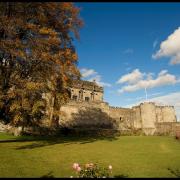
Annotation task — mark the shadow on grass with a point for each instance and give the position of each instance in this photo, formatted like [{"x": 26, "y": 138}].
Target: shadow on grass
[
  {"x": 41, "y": 141},
  {"x": 48, "y": 175},
  {"x": 66, "y": 140},
  {"x": 98, "y": 126},
  {"x": 120, "y": 176},
  {"x": 176, "y": 172}
]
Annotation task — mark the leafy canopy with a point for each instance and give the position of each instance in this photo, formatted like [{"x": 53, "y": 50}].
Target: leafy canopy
[{"x": 36, "y": 56}]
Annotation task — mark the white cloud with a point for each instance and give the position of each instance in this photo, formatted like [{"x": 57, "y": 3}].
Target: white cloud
[
  {"x": 87, "y": 72},
  {"x": 172, "y": 99},
  {"x": 170, "y": 48},
  {"x": 128, "y": 51},
  {"x": 91, "y": 75},
  {"x": 162, "y": 72},
  {"x": 175, "y": 59},
  {"x": 131, "y": 78},
  {"x": 138, "y": 80},
  {"x": 144, "y": 97},
  {"x": 97, "y": 78},
  {"x": 155, "y": 94}
]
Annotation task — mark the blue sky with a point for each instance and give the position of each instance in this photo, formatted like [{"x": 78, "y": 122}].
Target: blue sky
[{"x": 128, "y": 47}]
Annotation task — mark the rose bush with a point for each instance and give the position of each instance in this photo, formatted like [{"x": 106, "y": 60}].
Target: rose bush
[{"x": 91, "y": 170}]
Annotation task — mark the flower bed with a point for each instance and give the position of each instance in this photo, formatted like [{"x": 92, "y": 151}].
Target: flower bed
[{"x": 91, "y": 170}]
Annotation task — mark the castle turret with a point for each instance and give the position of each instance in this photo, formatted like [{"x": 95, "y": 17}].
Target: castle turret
[{"x": 148, "y": 116}]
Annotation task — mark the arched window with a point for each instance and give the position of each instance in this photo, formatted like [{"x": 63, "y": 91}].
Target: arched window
[
  {"x": 71, "y": 93},
  {"x": 92, "y": 96},
  {"x": 87, "y": 99},
  {"x": 74, "y": 97},
  {"x": 81, "y": 95}
]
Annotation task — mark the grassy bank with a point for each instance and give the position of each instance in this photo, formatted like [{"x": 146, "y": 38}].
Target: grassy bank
[{"x": 130, "y": 156}]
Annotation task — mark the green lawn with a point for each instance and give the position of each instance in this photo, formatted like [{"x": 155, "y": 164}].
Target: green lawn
[{"x": 130, "y": 156}]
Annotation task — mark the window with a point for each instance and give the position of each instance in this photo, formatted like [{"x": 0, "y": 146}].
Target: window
[
  {"x": 80, "y": 94},
  {"x": 92, "y": 96},
  {"x": 86, "y": 98},
  {"x": 74, "y": 97}
]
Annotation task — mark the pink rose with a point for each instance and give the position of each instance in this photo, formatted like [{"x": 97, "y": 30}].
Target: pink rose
[
  {"x": 78, "y": 169},
  {"x": 110, "y": 167},
  {"x": 75, "y": 166}
]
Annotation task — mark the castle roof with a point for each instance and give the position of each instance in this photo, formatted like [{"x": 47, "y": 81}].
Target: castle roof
[{"x": 87, "y": 85}]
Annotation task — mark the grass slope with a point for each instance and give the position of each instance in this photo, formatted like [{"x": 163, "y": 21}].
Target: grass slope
[{"x": 130, "y": 156}]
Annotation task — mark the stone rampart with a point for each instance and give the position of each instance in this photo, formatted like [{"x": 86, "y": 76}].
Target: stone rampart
[
  {"x": 146, "y": 117},
  {"x": 86, "y": 108},
  {"x": 167, "y": 128},
  {"x": 137, "y": 120},
  {"x": 168, "y": 114},
  {"x": 123, "y": 117},
  {"x": 86, "y": 114}
]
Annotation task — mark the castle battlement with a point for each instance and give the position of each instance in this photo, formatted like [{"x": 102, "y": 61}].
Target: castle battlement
[
  {"x": 118, "y": 108},
  {"x": 87, "y": 85},
  {"x": 147, "y": 102}
]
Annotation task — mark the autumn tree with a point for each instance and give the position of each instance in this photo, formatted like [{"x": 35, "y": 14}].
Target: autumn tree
[{"x": 36, "y": 56}]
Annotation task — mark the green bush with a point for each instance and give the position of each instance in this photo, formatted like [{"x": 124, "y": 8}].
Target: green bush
[{"x": 91, "y": 170}]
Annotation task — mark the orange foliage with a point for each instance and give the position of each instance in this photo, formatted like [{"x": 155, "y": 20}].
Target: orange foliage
[
  {"x": 74, "y": 57},
  {"x": 44, "y": 28}
]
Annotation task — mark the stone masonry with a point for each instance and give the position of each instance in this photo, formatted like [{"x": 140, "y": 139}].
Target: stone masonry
[{"x": 87, "y": 109}]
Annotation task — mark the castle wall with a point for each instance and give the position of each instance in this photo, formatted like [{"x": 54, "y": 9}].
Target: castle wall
[
  {"x": 66, "y": 114},
  {"x": 85, "y": 114},
  {"x": 123, "y": 116},
  {"x": 98, "y": 96},
  {"x": 148, "y": 115},
  {"x": 168, "y": 114},
  {"x": 95, "y": 113},
  {"x": 168, "y": 128},
  {"x": 159, "y": 115},
  {"x": 137, "y": 117}
]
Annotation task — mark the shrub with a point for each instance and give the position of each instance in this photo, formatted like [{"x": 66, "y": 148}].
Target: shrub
[{"x": 91, "y": 170}]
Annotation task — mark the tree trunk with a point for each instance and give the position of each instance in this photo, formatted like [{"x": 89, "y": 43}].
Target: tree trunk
[{"x": 51, "y": 111}]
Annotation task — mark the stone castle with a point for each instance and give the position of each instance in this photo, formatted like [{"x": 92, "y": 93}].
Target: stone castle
[{"x": 86, "y": 109}]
